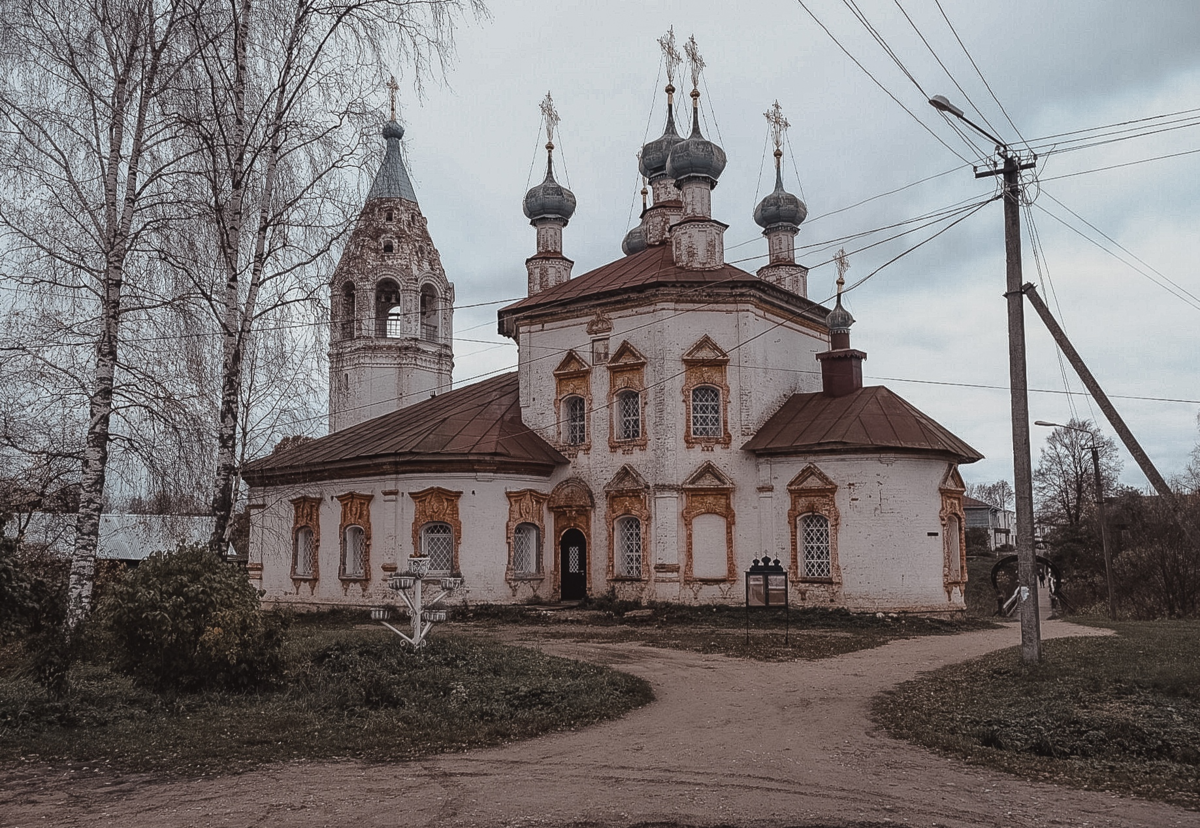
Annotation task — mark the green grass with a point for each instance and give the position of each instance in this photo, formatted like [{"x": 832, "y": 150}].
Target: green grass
[
  {"x": 348, "y": 694},
  {"x": 1118, "y": 713}
]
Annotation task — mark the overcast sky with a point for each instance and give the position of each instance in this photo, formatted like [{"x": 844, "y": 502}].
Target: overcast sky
[{"x": 933, "y": 323}]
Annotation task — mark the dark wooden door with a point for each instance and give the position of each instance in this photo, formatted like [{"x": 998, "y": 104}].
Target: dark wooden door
[{"x": 572, "y": 565}]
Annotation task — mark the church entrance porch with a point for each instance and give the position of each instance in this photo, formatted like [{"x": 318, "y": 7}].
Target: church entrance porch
[{"x": 572, "y": 566}]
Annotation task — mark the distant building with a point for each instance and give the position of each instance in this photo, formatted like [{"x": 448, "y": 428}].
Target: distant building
[
  {"x": 128, "y": 538},
  {"x": 672, "y": 417},
  {"x": 998, "y": 522}
]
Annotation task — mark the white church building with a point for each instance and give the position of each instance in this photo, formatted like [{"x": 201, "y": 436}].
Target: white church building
[{"x": 672, "y": 418}]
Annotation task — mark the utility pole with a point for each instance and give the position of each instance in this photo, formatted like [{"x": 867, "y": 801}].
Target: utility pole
[{"x": 1031, "y": 637}]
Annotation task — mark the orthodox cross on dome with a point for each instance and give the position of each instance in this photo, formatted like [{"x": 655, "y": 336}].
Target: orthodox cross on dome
[
  {"x": 671, "y": 56},
  {"x": 779, "y": 126},
  {"x": 695, "y": 62},
  {"x": 843, "y": 264},
  {"x": 392, "y": 88},
  {"x": 551, "y": 119}
]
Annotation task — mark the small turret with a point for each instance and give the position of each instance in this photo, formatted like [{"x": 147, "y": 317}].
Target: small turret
[
  {"x": 549, "y": 207},
  {"x": 841, "y": 365},
  {"x": 780, "y": 215}
]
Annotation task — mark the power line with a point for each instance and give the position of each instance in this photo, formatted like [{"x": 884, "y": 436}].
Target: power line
[{"x": 1119, "y": 166}]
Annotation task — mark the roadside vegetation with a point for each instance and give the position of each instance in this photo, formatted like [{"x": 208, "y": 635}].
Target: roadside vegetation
[
  {"x": 1119, "y": 713},
  {"x": 180, "y": 673}
]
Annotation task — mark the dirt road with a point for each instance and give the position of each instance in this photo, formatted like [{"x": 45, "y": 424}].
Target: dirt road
[{"x": 727, "y": 742}]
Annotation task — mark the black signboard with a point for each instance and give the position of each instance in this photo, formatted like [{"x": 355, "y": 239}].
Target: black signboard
[{"x": 767, "y": 586}]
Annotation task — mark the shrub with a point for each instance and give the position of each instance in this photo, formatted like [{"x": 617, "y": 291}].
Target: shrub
[{"x": 187, "y": 620}]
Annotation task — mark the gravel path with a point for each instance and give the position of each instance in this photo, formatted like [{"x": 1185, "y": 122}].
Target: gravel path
[{"x": 727, "y": 743}]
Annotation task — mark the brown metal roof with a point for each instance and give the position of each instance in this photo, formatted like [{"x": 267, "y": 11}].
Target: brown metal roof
[
  {"x": 653, "y": 267},
  {"x": 869, "y": 419},
  {"x": 475, "y": 427}
]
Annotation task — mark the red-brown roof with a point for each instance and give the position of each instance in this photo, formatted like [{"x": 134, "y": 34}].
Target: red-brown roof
[
  {"x": 476, "y": 427},
  {"x": 653, "y": 267},
  {"x": 869, "y": 419}
]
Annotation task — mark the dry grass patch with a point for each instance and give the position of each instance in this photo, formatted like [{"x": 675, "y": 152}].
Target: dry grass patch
[{"x": 1117, "y": 713}]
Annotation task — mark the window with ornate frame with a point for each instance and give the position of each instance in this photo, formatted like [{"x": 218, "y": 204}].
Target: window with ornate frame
[
  {"x": 575, "y": 421},
  {"x": 354, "y": 553},
  {"x": 627, "y": 547},
  {"x": 303, "y": 553},
  {"x": 706, "y": 412},
  {"x": 437, "y": 544},
  {"x": 527, "y": 550},
  {"x": 813, "y": 533},
  {"x": 629, "y": 415}
]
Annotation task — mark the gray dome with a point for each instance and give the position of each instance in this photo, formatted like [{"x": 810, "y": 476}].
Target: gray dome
[
  {"x": 839, "y": 319},
  {"x": 780, "y": 207},
  {"x": 549, "y": 199},
  {"x": 696, "y": 156},
  {"x": 635, "y": 241},
  {"x": 653, "y": 161},
  {"x": 393, "y": 130}
]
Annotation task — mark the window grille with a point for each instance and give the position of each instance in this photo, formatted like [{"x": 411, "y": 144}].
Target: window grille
[
  {"x": 629, "y": 416},
  {"x": 629, "y": 547},
  {"x": 576, "y": 421},
  {"x": 437, "y": 544},
  {"x": 429, "y": 331},
  {"x": 706, "y": 412},
  {"x": 525, "y": 549},
  {"x": 354, "y": 552},
  {"x": 302, "y": 561},
  {"x": 814, "y": 539},
  {"x": 574, "y": 560},
  {"x": 395, "y": 322}
]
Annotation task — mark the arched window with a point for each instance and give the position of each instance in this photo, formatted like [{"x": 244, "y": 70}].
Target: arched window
[
  {"x": 354, "y": 548},
  {"x": 629, "y": 415},
  {"x": 814, "y": 546},
  {"x": 628, "y": 547},
  {"x": 953, "y": 549},
  {"x": 437, "y": 544},
  {"x": 706, "y": 412},
  {"x": 389, "y": 246},
  {"x": 348, "y": 326},
  {"x": 390, "y": 215},
  {"x": 526, "y": 550},
  {"x": 303, "y": 563},
  {"x": 395, "y": 322},
  {"x": 429, "y": 314},
  {"x": 574, "y": 421},
  {"x": 387, "y": 306}
]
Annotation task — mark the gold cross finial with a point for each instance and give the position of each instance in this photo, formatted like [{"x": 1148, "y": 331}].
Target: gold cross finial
[
  {"x": 695, "y": 62},
  {"x": 393, "y": 87},
  {"x": 779, "y": 124},
  {"x": 671, "y": 55},
  {"x": 550, "y": 116},
  {"x": 843, "y": 264}
]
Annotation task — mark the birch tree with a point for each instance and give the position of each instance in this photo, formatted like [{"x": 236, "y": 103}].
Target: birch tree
[
  {"x": 279, "y": 101},
  {"x": 87, "y": 151}
]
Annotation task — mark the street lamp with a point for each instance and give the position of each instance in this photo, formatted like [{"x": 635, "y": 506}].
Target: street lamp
[
  {"x": 1019, "y": 389},
  {"x": 1112, "y": 604}
]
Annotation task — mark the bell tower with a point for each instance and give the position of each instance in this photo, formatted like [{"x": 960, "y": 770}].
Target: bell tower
[{"x": 392, "y": 307}]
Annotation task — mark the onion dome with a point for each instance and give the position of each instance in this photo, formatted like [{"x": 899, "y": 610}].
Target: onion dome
[
  {"x": 780, "y": 206},
  {"x": 696, "y": 156},
  {"x": 839, "y": 319},
  {"x": 635, "y": 241},
  {"x": 549, "y": 200},
  {"x": 653, "y": 160}
]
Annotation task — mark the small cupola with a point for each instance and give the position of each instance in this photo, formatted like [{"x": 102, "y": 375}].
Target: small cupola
[
  {"x": 780, "y": 215},
  {"x": 841, "y": 365},
  {"x": 549, "y": 207},
  {"x": 696, "y": 157},
  {"x": 652, "y": 161}
]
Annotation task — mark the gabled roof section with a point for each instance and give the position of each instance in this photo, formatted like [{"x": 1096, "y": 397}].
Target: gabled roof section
[
  {"x": 652, "y": 268},
  {"x": 869, "y": 419},
  {"x": 476, "y": 427}
]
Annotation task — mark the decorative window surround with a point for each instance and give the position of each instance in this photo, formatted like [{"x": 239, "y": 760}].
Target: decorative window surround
[
  {"x": 952, "y": 489},
  {"x": 526, "y": 507},
  {"x": 307, "y": 516},
  {"x": 708, "y": 492},
  {"x": 356, "y": 511},
  {"x": 572, "y": 378},
  {"x": 437, "y": 505},
  {"x": 705, "y": 365},
  {"x": 626, "y": 373},
  {"x": 812, "y": 493},
  {"x": 627, "y": 495}
]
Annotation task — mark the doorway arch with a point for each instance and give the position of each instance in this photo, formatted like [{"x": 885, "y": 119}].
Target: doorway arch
[{"x": 572, "y": 566}]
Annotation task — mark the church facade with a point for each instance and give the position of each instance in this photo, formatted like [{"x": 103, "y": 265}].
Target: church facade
[{"x": 672, "y": 418}]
